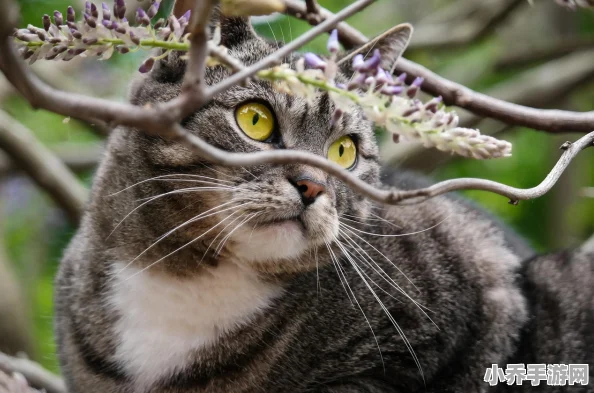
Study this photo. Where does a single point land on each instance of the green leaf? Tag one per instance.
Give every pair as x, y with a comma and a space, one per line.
165, 10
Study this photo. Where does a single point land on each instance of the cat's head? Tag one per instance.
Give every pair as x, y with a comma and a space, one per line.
274, 218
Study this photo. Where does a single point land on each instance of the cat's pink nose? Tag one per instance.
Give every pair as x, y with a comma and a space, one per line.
309, 190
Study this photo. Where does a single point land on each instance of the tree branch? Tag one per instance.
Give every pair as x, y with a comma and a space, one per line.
539, 86
15, 383
525, 56
79, 159
194, 77
391, 196
155, 121
42, 166
36, 376
269, 61
460, 33
458, 95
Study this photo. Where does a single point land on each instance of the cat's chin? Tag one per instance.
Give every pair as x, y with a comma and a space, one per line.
279, 240
272, 241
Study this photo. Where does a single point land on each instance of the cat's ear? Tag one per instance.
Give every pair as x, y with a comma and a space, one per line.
233, 30
391, 45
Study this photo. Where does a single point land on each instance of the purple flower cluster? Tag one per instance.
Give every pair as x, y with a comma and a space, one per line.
574, 4
390, 103
99, 33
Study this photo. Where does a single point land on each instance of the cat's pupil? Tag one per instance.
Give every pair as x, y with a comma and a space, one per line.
341, 150
255, 119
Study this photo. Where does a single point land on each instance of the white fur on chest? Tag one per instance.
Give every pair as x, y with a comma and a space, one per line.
164, 319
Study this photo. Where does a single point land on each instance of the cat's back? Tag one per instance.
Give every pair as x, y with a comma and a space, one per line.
560, 331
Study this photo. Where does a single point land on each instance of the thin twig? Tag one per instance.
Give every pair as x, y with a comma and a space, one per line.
285, 50
312, 6
153, 118
36, 376
169, 128
539, 53
551, 120
588, 192
194, 77
42, 166
313, 11
80, 159
14, 383
459, 33
541, 86
391, 196
222, 56
349, 36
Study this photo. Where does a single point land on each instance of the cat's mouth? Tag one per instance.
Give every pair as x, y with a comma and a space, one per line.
284, 222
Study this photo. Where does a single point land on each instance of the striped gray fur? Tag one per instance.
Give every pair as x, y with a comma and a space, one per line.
465, 300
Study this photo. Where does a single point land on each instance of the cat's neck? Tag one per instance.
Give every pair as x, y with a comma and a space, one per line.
179, 316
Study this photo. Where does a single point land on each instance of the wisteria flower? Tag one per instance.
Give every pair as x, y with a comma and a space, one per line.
388, 102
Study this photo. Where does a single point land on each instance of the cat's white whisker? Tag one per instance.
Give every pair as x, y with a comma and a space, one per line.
373, 265
222, 243
374, 283
384, 275
339, 271
219, 234
168, 178
188, 189
335, 258
191, 220
347, 228
380, 218
151, 199
209, 167
400, 234
388, 314
245, 169
273, 35
377, 219
358, 222
176, 250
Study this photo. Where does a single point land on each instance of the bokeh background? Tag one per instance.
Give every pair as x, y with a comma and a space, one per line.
536, 54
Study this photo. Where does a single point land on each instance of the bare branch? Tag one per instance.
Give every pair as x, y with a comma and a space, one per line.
194, 77
313, 11
277, 57
312, 7
574, 4
456, 34
159, 121
181, 6
391, 196
550, 120
80, 159
543, 86
14, 383
588, 192
157, 117
349, 36
43, 167
530, 55
220, 54
36, 376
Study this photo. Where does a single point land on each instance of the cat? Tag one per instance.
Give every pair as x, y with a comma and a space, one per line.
282, 279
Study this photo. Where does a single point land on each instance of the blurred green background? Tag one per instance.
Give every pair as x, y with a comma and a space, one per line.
557, 73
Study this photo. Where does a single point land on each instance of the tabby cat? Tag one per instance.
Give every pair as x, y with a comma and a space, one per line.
190, 277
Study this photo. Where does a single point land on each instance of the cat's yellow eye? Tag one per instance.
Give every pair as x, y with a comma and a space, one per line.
255, 120
343, 152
